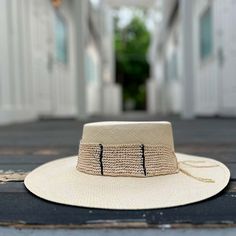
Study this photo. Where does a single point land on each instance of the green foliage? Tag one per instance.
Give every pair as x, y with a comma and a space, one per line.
132, 69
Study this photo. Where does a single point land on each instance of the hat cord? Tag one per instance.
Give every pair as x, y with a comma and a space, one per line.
188, 163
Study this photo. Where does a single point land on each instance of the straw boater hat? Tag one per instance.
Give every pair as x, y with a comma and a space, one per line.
128, 165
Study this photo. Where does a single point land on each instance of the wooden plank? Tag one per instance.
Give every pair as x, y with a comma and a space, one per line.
35, 154
22, 208
24, 147
18, 206
12, 176
27, 167
163, 230
36, 151
219, 153
33, 159
19, 186
56, 133
12, 187
17, 168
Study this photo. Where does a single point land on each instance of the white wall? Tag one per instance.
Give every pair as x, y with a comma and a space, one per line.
54, 80
33, 83
153, 84
173, 85
152, 101
93, 79
16, 87
64, 76
213, 79
206, 81
225, 20
112, 99
169, 87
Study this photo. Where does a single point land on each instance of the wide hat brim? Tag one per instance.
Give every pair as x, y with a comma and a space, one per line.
59, 181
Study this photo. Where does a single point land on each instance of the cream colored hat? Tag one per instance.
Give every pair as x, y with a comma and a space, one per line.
128, 165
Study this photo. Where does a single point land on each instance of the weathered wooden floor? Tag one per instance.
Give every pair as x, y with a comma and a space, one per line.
25, 146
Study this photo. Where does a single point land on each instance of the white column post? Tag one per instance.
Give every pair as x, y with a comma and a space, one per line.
5, 99
80, 17
186, 14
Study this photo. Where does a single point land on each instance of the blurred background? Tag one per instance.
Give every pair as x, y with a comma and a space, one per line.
80, 58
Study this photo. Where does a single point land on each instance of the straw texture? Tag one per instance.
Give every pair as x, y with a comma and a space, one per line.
60, 182
137, 160
128, 165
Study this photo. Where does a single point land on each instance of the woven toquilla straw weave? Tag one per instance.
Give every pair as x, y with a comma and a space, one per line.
128, 165
137, 160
